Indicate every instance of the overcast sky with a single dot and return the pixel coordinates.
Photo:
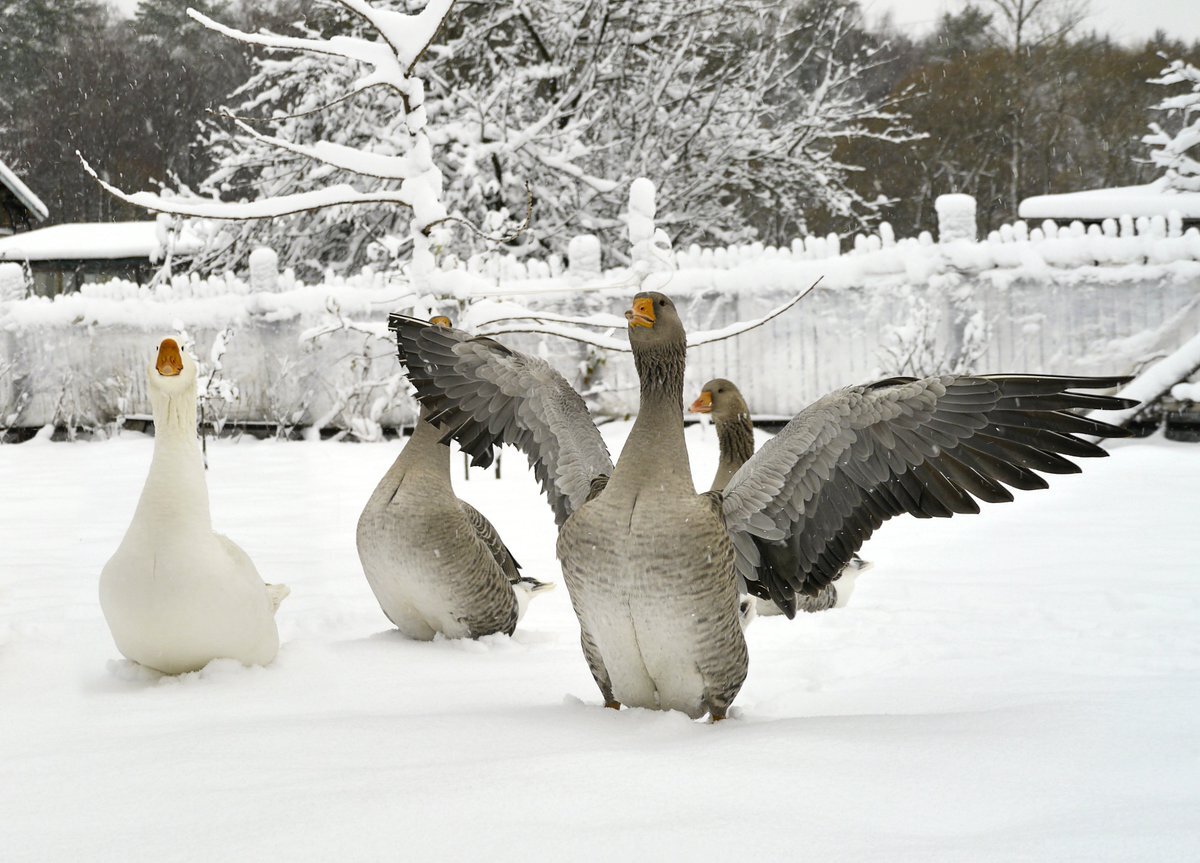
(1126, 20)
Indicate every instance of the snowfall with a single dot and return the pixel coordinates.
(1018, 685)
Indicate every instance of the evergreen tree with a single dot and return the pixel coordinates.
(1176, 147)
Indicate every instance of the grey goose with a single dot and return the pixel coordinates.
(653, 568)
(723, 401)
(434, 562)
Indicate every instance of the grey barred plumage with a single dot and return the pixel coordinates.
(423, 555)
(721, 400)
(651, 566)
(434, 562)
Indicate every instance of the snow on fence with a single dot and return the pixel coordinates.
(1064, 299)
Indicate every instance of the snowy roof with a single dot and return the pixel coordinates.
(91, 240)
(24, 195)
(1152, 199)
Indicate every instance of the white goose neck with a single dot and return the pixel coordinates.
(175, 487)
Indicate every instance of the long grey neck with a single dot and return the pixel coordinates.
(655, 454)
(425, 453)
(736, 437)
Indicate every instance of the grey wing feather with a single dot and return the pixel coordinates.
(486, 394)
(487, 532)
(931, 447)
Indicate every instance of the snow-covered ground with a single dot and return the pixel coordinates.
(1021, 685)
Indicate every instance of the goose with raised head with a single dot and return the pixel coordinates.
(653, 568)
(435, 564)
(177, 595)
(723, 401)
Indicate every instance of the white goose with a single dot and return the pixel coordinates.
(176, 595)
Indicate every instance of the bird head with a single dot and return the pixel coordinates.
(172, 371)
(654, 320)
(720, 398)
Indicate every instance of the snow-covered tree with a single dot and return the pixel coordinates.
(733, 109)
(387, 62)
(1175, 147)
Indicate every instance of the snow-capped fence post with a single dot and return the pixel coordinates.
(650, 247)
(956, 218)
(12, 282)
(264, 269)
(583, 256)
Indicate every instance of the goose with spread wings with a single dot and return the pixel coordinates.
(723, 401)
(653, 568)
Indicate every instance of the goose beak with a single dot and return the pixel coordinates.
(642, 313)
(170, 361)
(703, 405)
(440, 321)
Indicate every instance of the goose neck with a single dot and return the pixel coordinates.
(175, 488)
(655, 452)
(735, 436)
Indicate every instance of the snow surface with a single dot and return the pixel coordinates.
(92, 240)
(1020, 685)
(9, 178)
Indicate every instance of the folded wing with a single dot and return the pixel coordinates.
(930, 447)
(490, 537)
(485, 394)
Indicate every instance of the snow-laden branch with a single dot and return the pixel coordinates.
(1155, 382)
(736, 329)
(340, 156)
(567, 327)
(265, 208)
(391, 58)
(404, 38)
(1173, 151)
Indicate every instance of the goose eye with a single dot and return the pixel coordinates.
(662, 302)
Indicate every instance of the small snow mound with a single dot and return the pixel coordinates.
(1186, 392)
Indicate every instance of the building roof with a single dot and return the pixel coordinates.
(92, 240)
(1152, 199)
(23, 193)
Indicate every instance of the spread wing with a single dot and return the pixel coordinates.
(487, 532)
(930, 447)
(486, 395)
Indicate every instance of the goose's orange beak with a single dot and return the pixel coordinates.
(703, 405)
(170, 361)
(440, 321)
(642, 313)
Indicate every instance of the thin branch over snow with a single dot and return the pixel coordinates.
(549, 325)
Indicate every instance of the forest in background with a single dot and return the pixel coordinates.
(987, 104)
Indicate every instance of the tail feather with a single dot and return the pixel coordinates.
(277, 593)
(525, 589)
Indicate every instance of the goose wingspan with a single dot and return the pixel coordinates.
(931, 447)
(485, 395)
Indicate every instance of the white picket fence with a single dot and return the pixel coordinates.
(1051, 299)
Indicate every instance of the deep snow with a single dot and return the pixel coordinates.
(1020, 685)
